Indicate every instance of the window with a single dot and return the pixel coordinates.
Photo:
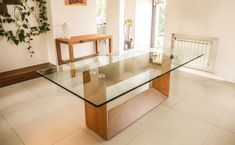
(160, 14)
(101, 12)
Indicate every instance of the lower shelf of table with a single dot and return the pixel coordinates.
(125, 114)
(108, 123)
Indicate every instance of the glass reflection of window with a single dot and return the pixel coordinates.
(160, 22)
(101, 11)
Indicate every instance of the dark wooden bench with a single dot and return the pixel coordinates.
(23, 74)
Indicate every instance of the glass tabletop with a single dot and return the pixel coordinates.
(104, 78)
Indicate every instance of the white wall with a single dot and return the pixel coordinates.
(14, 57)
(81, 21)
(115, 23)
(143, 18)
(214, 18)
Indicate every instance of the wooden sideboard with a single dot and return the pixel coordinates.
(96, 38)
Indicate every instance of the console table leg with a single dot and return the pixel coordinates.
(58, 49)
(71, 53)
(110, 45)
(97, 46)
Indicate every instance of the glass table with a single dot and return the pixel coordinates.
(103, 80)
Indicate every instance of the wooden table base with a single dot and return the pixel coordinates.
(108, 123)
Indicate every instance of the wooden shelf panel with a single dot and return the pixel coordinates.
(125, 114)
(23, 74)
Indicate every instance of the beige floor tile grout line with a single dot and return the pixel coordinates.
(62, 138)
(35, 93)
(189, 115)
(221, 117)
(215, 125)
(12, 129)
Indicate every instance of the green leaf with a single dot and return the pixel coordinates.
(25, 33)
(16, 41)
(25, 26)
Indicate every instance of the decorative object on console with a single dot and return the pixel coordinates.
(29, 18)
(65, 31)
(128, 41)
(156, 56)
(76, 2)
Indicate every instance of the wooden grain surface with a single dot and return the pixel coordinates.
(162, 84)
(23, 74)
(125, 114)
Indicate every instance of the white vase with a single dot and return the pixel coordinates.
(65, 31)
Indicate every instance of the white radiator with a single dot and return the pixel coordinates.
(185, 47)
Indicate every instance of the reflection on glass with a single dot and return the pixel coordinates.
(104, 78)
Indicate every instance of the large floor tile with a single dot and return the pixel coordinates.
(150, 137)
(80, 137)
(7, 136)
(24, 113)
(173, 99)
(221, 88)
(208, 107)
(75, 112)
(60, 99)
(220, 136)
(180, 128)
(13, 95)
(183, 85)
(227, 120)
(41, 86)
(151, 117)
(4, 127)
(46, 130)
(126, 136)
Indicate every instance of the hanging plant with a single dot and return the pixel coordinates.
(30, 20)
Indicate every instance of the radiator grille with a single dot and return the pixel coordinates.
(185, 47)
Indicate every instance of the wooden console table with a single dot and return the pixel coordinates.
(96, 38)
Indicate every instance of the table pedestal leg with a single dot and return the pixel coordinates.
(96, 119)
(162, 84)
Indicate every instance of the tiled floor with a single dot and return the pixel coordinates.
(200, 111)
